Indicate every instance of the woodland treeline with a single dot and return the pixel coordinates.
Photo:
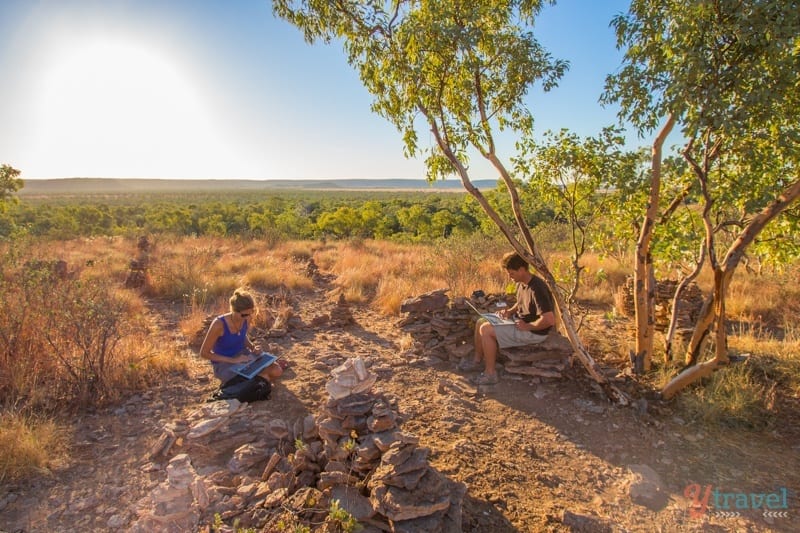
(403, 216)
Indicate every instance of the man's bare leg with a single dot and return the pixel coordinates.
(478, 343)
(489, 348)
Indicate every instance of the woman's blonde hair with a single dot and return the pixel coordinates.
(242, 300)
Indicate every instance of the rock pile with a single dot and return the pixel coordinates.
(690, 303)
(171, 506)
(349, 462)
(548, 359)
(137, 268)
(378, 473)
(340, 315)
(445, 329)
(439, 327)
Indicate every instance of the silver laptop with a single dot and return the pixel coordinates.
(252, 368)
(493, 318)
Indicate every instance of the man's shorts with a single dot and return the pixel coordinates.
(509, 336)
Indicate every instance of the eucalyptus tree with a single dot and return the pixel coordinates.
(726, 73)
(583, 181)
(10, 183)
(461, 68)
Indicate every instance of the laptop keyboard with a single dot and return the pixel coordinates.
(251, 366)
(256, 364)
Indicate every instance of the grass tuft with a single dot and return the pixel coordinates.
(27, 445)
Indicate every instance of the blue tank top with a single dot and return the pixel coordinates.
(230, 344)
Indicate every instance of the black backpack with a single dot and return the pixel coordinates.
(244, 390)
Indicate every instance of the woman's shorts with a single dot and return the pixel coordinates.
(509, 336)
(223, 371)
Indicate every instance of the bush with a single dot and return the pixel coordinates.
(59, 336)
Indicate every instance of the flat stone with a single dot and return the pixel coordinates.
(205, 427)
(275, 498)
(384, 439)
(407, 481)
(351, 500)
(278, 429)
(330, 479)
(417, 460)
(381, 423)
(554, 346)
(246, 456)
(398, 453)
(398, 504)
(646, 487)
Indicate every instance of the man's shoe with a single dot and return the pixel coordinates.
(485, 379)
(467, 364)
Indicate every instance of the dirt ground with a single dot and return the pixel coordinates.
(551, 455)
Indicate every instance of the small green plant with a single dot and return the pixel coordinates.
(218, 524)
(342, 518)
(299, 445)
(349, 445)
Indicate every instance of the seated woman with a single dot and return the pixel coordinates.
(226, 341)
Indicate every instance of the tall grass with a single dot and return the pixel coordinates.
(75, 338)
(28, 445)
(83, 339)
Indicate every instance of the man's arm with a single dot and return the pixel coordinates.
(508, 312)
(543, 322)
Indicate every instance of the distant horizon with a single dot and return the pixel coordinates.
(225, 178)
(92, 185)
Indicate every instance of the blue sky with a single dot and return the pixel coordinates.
(213, 89)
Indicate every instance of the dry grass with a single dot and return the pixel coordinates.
(386, 273)
(27, 445)
(764, 300)
(271, 272)
(199, 275)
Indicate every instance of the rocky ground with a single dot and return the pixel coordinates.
(534, 454)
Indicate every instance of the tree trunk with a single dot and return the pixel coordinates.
(531, 254)
(714, 307)
(673, 320)
(642, 273)
(688, 376)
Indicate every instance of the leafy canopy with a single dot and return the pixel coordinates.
(464, 66)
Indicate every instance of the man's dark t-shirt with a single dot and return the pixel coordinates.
(534, 300)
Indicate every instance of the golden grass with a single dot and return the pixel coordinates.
(200, 274)
(299, 251)
(270, 273)
(28, 445)
(733, 396)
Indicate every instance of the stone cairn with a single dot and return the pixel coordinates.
(137, 268)
(352, 455)
(690, 303)
(445, 329)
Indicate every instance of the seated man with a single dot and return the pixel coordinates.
(534, 319)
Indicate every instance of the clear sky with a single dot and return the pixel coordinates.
(223, 89)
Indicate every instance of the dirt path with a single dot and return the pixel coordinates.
(549, 456)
